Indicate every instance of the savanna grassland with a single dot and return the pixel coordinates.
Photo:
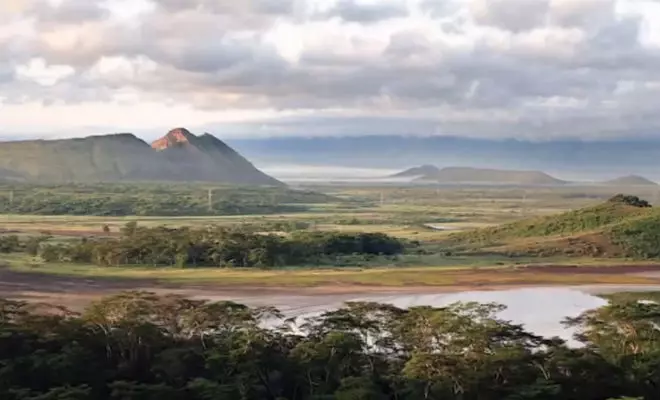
(331, 236)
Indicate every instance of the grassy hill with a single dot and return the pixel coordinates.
(124, 157)
(491, 176)
(624, 226)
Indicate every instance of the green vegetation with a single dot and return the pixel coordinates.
(623, 226)
(640, 237)
(154, 199)
(219, 247)
(616, 210)
(140, 346)
(281, 227)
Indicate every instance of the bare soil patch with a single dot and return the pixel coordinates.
(76, 292)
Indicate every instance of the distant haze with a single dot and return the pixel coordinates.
(567, 160)
(294, 172)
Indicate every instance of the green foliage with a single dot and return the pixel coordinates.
(572, 222)
(219, 247)
(140, 346)
(639, 237)
(10, 244)
(153, 200)
(629, 200)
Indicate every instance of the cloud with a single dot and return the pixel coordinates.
(496, 68)
(351, 11)
(66, 11)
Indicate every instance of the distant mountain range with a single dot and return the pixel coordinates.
(470, 175)
(416, 172)
(630, 180)
(569, 159)
(178, 156)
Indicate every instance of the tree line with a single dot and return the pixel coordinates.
(146, 199)
(219, 247)
(140, 346)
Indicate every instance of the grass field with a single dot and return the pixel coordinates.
(401, 212)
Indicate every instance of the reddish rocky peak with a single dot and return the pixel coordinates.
(177, 136)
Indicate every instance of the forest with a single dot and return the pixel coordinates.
(145, 199)
(216, 247)
(141, 346)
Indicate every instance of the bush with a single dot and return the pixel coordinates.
(220, 247)
(629, 200)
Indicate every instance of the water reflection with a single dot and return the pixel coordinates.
(541, 310)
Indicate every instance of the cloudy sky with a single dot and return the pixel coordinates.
(534, 69)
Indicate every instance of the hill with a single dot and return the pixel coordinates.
(624, 226)
(630, 180)
(423, 170)
(178, 156)
(490, 176)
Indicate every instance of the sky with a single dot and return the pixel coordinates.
(526, 69)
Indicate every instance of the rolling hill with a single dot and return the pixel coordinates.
(178, 156)
(630, 180)
(490, 176)
(415, 172)
(624, 226)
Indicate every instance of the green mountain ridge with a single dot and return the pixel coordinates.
(125, 157)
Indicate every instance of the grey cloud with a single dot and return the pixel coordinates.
(583, 13)
(440, 8)
(213, 55)
(408, 44)
(350, 11)
(67, 12)
(7, 74)
(513, 15)
(268, 7)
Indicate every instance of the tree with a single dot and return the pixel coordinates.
(129, 229)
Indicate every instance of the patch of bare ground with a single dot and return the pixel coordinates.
(75, 292)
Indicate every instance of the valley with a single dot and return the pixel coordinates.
(491, 236)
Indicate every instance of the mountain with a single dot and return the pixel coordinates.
(178, 156)
(207, 159)
(423, 170)
(577, 159)
(630, 180)
(490, 176)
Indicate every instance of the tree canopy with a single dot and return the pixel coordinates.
(140, 346)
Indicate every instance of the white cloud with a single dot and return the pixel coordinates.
(46, 75)
(533, 68)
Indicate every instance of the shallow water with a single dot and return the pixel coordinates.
(541, 310)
